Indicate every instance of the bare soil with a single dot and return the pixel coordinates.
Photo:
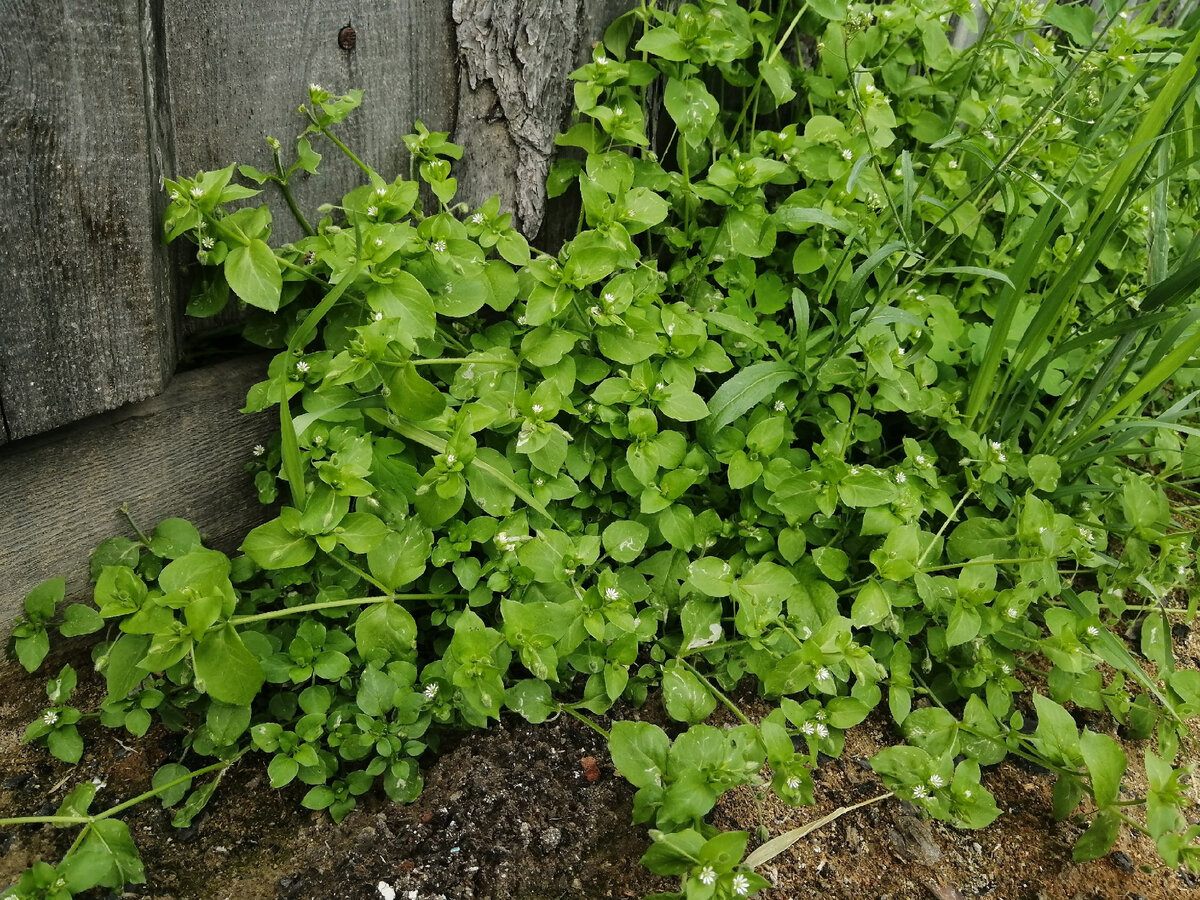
(523, 812)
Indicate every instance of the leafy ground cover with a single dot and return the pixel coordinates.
(860, 387)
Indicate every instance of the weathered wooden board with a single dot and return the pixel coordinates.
(494, 74)
(238, 74)
(87, 319)
(182, 453)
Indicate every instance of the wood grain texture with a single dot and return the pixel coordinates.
(87, 315)
(239, 72)
(181, 454)
(514, 92)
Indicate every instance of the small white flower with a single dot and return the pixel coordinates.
(937, 781)
(259, 450)
(808, 728)
(920, 792)
(431, 690)
(207, 242)
(822, 731)
(1057, 120)
(854, 470)
(50, 717)
(1085, 533)
(660, 386)
(806, 632)
(618, 110)
(1006, 668)
(793, 783)
(603, 61)
(1042, 529)
(707, 875)
(612, 594)
(477, 219)
(900, 351)
(1093, 631)
(823, 674)
(378, 242)
(820, 715)
(439, 246)
(595, 311)
(537, 409)
(1182, 571)
(378, 317)
(197, 191)
(1011, 613)
(450, 458)
(901, 478)
(989, 135)
(847, 154)
(372, 210)
(380, 192)
(953, 164)
(302, 366)
(919, 459)
(996, 445)
(1123, 14)
(780, 406)
(315, 88)
(741, 885)
(609, 297)
(870, 88)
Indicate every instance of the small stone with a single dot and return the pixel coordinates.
(1122, 861)
(913, 841)
(976, 846)
(551, 837)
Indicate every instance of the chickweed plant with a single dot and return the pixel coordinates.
(862, 382)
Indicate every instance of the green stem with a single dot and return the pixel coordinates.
(346, 564)
(120, 807)
(333, 604)
(346, 150)
(132, 524)
(282, 180)
(576, 714)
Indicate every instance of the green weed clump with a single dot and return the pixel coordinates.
(859, 384)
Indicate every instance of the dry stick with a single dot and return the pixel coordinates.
(777, 845)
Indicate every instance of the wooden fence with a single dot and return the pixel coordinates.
(99, 99)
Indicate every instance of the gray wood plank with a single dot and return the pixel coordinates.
(87, 317)
(182, 453)
(238, 73)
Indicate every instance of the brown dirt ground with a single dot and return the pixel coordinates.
(510, 814)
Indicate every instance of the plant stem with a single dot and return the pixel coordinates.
(120, 807)
(346, 150)
(346, 564)
(132, 524)
(576, 714)
(282, 180)
(333, 604)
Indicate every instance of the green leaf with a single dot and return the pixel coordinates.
(400, 558)
(278, 544)
(745, 390)
(174, 538)
(685, 696)
(40, 602)
(1099, 837)
(871, 606)
(1057, 735)
(225, 669)
(692, 107)
(106, 856)
(384, 632)
(253, 272)
(163, 776)
(712, 575)
(1106, 764)
(639, 751)
(530, 698)
(624, 541)
(80, 619)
